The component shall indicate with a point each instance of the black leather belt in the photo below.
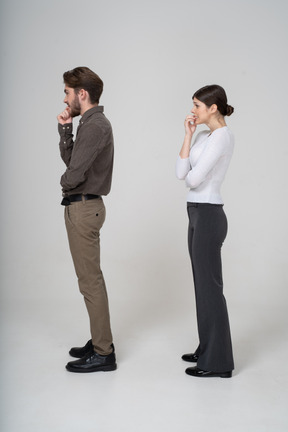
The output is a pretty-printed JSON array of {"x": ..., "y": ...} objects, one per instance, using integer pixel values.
[
  {"x": 193, "y": 204},
  {"x": 66, "y": 201}
]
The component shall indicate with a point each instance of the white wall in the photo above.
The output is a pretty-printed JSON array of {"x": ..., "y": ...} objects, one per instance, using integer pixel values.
[{"x": 152, "y": 56}]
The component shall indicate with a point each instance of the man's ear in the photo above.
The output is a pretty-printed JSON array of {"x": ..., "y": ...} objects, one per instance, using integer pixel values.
[{"x": 83, "y": 94}]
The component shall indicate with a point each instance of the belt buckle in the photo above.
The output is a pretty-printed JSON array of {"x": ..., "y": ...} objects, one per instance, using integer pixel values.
[{"x": 65, "y": 201}]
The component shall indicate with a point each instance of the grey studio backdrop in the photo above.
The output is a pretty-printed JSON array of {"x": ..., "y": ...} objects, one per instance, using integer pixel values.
[{"x": 152, "y": 56}]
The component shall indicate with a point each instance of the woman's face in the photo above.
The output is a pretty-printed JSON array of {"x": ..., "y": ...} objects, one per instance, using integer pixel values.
[{"x": 200, "y": 112}]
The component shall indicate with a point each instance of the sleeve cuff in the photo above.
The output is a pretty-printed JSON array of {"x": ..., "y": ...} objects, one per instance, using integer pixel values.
[{"x": 65, "y": 129}]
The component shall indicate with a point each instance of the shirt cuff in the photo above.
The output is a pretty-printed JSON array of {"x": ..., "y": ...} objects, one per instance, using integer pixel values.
[{"x": 65, "y": 129}]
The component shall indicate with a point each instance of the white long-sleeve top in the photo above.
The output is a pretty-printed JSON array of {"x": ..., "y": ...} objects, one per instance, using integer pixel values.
[{"x": 205, "y": 169}]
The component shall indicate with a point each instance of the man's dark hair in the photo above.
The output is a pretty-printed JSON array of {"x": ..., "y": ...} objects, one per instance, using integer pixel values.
[{"x": 84, "y": 78}]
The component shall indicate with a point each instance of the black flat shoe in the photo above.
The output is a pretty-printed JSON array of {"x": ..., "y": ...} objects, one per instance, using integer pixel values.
[
  {"x": 196, "y": 372},
  {"x": 93, "y": 363},
  {"x": 81, "y": 352},
  {"x": 192, "y": 358}
]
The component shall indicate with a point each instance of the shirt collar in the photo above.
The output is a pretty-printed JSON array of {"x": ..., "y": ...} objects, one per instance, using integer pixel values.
[{"x": 89, "y": 112}]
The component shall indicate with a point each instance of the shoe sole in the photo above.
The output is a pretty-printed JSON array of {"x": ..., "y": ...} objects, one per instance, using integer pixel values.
[
  {"x": 216, "y": 375},
  {"x": 108, "y": 368}
]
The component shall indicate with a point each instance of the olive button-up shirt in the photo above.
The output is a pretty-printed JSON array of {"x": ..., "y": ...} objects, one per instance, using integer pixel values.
[{"x": 89, "y": 159}]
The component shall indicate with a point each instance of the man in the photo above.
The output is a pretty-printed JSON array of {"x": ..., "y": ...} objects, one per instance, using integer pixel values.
[{"x": 89, "y": 161}]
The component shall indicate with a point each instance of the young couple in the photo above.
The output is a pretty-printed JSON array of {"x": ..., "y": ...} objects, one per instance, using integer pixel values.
[{"x": 203, "y": 165}]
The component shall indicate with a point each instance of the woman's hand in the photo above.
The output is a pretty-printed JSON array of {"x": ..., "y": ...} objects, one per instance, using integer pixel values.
[
  {"x": 190, "y": 128},
  {"x": 190, "y": 125}
]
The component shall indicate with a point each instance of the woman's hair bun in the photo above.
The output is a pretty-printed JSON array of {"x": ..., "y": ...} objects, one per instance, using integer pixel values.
[{"x": 229, "y": 110}]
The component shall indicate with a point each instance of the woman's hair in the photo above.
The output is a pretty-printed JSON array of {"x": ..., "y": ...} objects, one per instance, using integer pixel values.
[
  {"x": 84, "y": 78},
  {"x": 214, "y": 94}
]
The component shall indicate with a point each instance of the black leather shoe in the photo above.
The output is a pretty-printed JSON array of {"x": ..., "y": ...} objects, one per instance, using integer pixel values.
[
  {"x": 93, "y": 362},
  {"x": 192, "y": 358},
  {"x": 81, "y": 352},
  {"x": 194, "y": 371}
]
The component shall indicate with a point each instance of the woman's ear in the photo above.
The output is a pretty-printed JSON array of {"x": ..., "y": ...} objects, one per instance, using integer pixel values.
[{"x": 213, "y": 108}]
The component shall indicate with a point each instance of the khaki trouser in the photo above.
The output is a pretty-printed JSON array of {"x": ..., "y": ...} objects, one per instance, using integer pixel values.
[{"x": 84, "y": 220}]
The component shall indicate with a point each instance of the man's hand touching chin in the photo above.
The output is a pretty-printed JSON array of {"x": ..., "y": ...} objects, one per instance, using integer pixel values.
[{"x": 65, "y": 116}]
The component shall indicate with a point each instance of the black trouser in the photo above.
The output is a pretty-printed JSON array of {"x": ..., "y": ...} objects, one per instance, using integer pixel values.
[{"x": 206, "y": 234}]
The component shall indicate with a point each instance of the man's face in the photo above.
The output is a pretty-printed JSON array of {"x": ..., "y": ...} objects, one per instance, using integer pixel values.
[{"x": 72, "y": 101}]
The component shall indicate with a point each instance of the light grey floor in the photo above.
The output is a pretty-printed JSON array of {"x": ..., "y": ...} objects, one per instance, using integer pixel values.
[{"x": 149, "y": 391}]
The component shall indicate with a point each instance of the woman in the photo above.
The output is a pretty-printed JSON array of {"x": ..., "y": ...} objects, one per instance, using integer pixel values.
[{"x": 203, "y": 167}]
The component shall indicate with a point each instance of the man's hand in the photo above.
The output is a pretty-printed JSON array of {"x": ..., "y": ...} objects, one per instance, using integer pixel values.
[{"x": 65, "y": 116}]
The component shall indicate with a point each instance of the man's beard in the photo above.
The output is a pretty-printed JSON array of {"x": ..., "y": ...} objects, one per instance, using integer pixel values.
[{"x": 75, "y": 108}]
